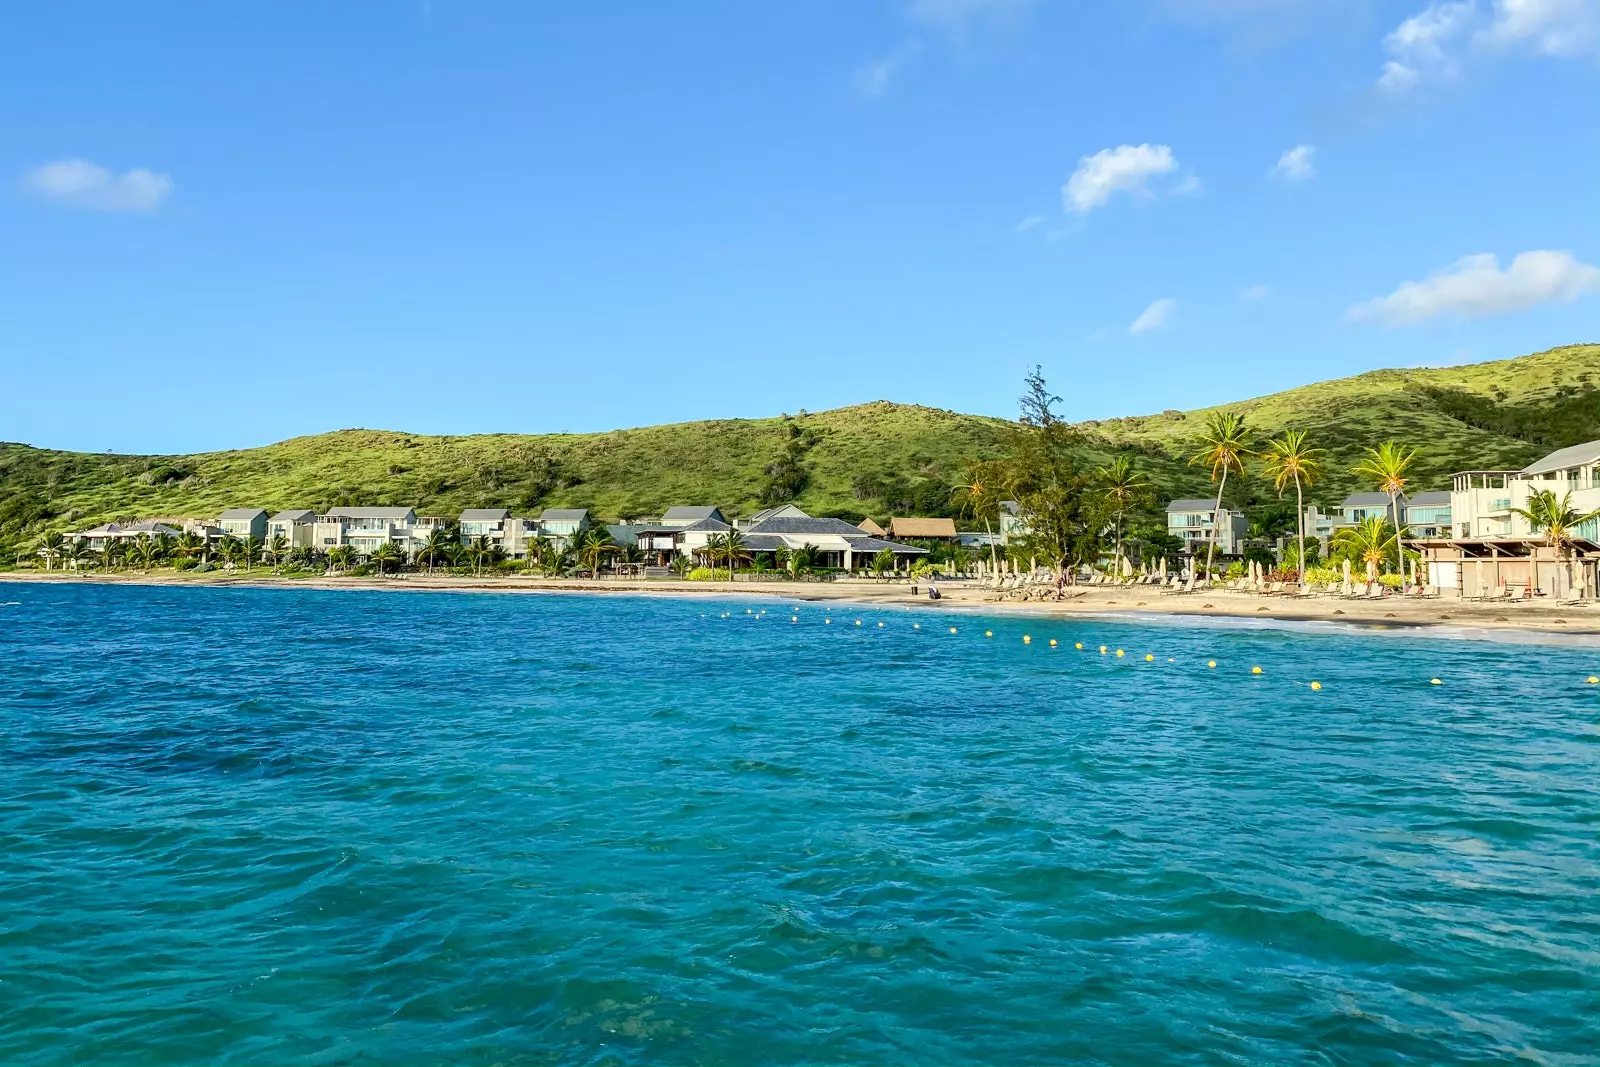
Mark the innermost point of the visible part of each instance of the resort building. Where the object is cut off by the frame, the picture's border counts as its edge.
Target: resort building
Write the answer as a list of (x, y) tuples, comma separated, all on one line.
[(1487, 549), (564, 525), (1012, 525), (677, 518), (298, 528), (1428, 515), (782, 511), (364, 529), (1359, 507), (836, 542), (871, 529), (913, 529), (244, 522), (1192, 522), (98, 537)]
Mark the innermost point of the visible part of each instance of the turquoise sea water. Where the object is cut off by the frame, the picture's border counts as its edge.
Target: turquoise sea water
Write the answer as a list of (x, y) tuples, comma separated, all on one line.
[(270, 826)]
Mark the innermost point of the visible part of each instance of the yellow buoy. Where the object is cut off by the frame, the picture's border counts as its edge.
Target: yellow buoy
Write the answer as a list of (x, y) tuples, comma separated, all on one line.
[(858, 622), (952, 629), (988, 633), (1079, 645), (747, 611), (1027, 640), (1593, 680), (1211, 663), (1052, 642), (1316, 685), (880, 626), (1102, 650), (1119, 653), (827, 622), (1255, 670), (1434, 681), (794, 618), (916, 626), (1148, 658)]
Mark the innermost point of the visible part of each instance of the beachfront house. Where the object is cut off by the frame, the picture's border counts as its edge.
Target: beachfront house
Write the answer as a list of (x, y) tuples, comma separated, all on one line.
[(1013, 527), (1193, 520), (297, 528), (684, 515), (1428, 515), (244, 522), (563, 526), (915, 529), (871, 529), (782, 511), (97, 538), (1487, 549), (364, 529), (838, 543), (1358, 507)]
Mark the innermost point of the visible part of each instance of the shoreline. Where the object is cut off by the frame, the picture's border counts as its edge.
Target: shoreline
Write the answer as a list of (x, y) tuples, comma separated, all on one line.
[(1419, 617)]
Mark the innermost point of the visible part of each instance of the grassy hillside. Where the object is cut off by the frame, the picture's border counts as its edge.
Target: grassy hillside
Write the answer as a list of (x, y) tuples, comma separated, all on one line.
[(876, 459)]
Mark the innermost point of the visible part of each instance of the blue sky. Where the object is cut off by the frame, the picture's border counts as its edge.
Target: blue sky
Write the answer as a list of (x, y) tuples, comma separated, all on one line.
[(223, 225)]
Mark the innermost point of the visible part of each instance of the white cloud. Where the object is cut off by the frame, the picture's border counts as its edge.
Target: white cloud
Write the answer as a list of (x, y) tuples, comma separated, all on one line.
[(1029, 223), (873, 79), (1475, 286), (1126, 168), (1190, 186), (1297, 164), (1154, 317), (84, 184), (1429, 45), (1553, 27), (1419, 44), (1256, 292)]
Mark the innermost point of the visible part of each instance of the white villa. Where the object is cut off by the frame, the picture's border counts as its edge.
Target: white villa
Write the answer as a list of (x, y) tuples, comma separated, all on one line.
[(1192, 522)]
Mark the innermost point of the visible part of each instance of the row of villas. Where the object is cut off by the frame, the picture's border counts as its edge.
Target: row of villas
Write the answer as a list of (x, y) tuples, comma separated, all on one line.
[(1471, 536), (680, 531)]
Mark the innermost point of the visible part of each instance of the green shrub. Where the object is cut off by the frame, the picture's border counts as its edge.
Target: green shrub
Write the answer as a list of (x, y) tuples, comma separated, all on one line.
[(700, 574), (1392, 581)]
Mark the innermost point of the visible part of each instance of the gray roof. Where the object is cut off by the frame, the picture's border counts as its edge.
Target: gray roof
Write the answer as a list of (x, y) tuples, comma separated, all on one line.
[(1562, 458), (1192, 504), (1429, 500), (708, 524), (1011, 507), (485, 515), (370, 513), (684, 514), (295, 516), (564, 515), (808, 525), (626, 533), (242, 513), (1368, 500), (763, 542), (766, 513), (877, 544)]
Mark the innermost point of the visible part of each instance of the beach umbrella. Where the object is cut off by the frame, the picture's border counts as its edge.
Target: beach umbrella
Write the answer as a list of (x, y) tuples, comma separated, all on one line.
[(1127, 568), (1346, 577), (1163, 566)]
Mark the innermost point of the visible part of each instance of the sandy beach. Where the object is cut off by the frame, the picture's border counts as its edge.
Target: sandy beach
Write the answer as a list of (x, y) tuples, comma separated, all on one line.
[(1394, 611)]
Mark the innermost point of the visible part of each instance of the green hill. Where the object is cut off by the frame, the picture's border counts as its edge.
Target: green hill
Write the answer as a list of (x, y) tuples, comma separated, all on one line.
[(871, 459)]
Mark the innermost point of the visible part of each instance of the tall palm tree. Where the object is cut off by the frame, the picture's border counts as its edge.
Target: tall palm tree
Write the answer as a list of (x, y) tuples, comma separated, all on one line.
[(883, 561), (341, 556), (1290, 459), (1125, 488), (249, 551), (1369, 540), (109, 553), (143, 552), (980, 500), (593, 548), (189, 545), (385, 554), (1387, 467), (1224, 448), (735, 550), (1558, 521), (73, 552), (480, 551), (802, 560), (434, 547), (228, 548), (50, 546), (276, 550)]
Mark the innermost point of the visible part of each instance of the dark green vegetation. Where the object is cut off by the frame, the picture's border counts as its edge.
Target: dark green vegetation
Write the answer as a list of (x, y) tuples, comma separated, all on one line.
[(873, 459)]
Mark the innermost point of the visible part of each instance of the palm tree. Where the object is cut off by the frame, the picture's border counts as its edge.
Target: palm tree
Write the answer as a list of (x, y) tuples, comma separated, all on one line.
[(883, 561), (189, 545), (249, 551), (1387, 466), (1125, 489), (386, 553), (735, 550), (436, 544), (340, 556), (480, 551), (50, 546), (682, 565), (1225, 446), (802, 560), (1290, 459), (74, 552), (277, 549), (109, 553), (1369, 540), (1558, 521), (144, 552), (228, 548), (593, 548), (979, 500)]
